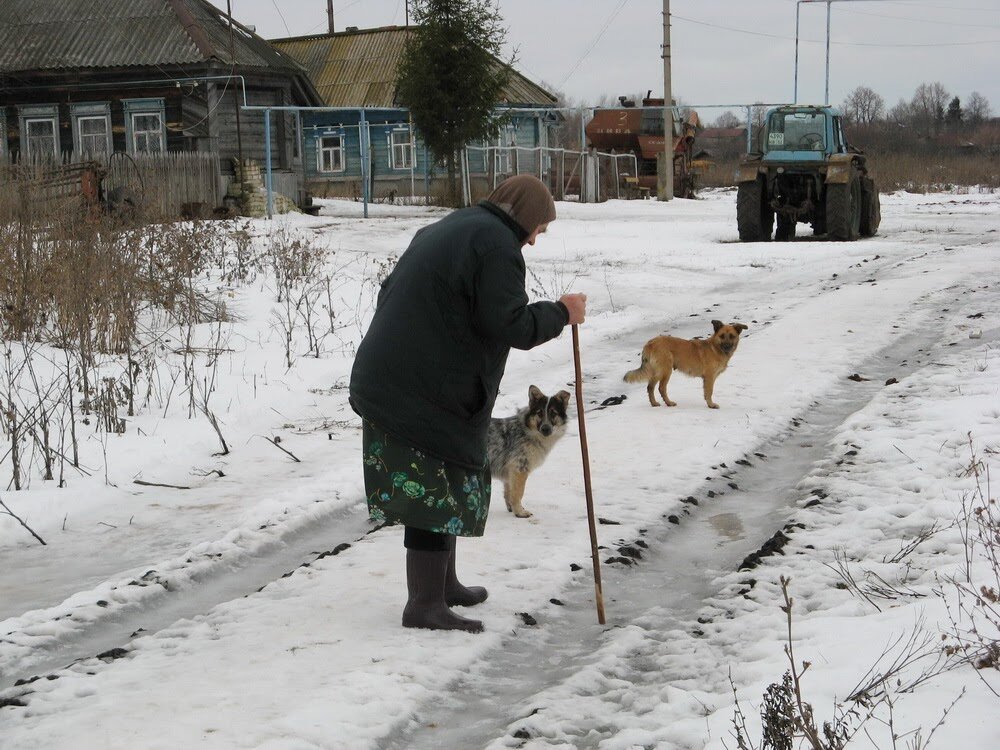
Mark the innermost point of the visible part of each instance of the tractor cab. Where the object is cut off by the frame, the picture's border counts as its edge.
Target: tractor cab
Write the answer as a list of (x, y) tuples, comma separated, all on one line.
[(803, 133)]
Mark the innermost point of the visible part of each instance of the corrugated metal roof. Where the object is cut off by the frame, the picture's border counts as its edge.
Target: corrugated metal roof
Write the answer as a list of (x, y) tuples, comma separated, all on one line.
[(57, 34), (358, 68)]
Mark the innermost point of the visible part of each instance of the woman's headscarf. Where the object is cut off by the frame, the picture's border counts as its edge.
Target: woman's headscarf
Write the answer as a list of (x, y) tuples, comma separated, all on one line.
[(526, 200)]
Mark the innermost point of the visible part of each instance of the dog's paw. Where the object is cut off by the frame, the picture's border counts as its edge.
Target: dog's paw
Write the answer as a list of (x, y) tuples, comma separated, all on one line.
[(522, 513), (713, 405), (671, 403)]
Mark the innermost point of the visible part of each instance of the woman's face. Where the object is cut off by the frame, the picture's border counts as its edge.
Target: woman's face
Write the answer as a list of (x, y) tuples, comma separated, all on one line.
[(534, 235)]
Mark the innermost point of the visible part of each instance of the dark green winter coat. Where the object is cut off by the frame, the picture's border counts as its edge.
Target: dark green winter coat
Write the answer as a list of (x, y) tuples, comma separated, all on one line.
[(429, 367)]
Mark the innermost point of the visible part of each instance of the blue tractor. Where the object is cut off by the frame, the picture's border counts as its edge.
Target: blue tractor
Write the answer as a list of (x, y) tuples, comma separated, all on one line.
[(805, 171)]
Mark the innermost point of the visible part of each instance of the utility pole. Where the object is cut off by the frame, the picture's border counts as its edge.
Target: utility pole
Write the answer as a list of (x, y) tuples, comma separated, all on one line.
[(668, 111), (236, 98), (329, 14)]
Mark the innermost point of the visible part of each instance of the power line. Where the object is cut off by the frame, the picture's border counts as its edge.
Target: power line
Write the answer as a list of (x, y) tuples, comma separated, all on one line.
[(287, 30), (818, 41), (923, 20), (943, 7), (607, 25), (918, 4)]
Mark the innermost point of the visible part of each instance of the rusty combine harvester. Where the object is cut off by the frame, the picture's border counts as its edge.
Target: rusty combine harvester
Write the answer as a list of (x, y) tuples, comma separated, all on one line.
[(639, 131)]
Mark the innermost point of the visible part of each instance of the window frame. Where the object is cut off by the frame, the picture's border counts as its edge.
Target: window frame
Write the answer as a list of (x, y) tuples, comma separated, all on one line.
[(144, 108), (817, 119), (341, 150), (39, 113), (407, 148), (91, 111), (839, 139)]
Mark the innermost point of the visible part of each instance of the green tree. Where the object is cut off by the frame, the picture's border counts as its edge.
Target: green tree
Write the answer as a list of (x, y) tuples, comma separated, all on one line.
[(955, 114), (451, 77)]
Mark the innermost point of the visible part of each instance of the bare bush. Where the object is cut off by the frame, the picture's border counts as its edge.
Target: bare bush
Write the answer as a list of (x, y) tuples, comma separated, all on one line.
[(788, 719), (974, 612), (86, 300), (307, 281)]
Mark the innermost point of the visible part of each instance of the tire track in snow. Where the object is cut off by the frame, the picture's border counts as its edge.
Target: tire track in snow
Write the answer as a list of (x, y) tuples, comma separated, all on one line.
[(666, 590)]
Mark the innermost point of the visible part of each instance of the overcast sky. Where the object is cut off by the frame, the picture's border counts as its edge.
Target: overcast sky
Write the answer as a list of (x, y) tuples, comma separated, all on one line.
[(724, 51)]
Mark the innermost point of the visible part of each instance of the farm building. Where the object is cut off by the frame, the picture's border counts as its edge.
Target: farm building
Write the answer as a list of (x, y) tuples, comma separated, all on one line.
[(82, 79), (355, 71)]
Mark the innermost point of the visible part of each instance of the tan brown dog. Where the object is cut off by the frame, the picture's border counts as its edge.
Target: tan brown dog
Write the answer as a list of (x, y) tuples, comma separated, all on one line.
[(699, 358)]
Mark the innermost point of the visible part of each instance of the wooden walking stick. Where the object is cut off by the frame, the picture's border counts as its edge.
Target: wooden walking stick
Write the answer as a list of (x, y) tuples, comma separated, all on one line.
[(598, 592)]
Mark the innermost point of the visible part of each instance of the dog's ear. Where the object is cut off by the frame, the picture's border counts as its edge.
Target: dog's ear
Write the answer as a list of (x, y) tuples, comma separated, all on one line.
[(564, 397), (716, 325), (739, 327), (534, 394)]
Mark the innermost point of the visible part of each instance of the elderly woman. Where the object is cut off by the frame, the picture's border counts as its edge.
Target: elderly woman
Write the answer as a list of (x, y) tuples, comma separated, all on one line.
[(426, 377)]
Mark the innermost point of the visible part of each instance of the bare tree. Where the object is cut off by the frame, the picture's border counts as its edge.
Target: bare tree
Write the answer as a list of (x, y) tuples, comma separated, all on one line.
[(977, 109), (863, 106), (902, 113), (567, 130), (727, 120), (928, 107)]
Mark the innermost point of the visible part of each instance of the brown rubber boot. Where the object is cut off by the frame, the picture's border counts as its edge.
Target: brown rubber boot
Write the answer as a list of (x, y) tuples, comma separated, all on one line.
[(455, 594), (426, 607)]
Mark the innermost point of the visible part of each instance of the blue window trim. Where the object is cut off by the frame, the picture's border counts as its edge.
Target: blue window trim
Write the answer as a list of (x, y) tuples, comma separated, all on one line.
[(328, 132), (37, 112), (90, 109), (392, 147), (143, 107)]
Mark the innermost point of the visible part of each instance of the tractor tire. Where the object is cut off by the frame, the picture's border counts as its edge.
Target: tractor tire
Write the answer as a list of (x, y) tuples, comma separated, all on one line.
[(871, 209), (754, 217), (785, 231), (843, 209)]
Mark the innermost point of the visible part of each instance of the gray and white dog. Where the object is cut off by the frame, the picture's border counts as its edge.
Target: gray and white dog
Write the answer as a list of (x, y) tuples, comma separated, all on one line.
[(519, 444)]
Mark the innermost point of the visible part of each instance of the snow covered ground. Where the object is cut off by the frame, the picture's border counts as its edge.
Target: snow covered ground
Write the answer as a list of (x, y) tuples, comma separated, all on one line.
[(256, 610)]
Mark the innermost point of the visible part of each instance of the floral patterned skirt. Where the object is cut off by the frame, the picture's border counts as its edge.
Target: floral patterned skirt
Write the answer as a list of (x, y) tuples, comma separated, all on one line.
[(405, 485)]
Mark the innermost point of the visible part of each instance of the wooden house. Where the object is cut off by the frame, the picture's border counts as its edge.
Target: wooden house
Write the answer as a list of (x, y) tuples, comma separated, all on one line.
[(80, 78), (355, 71)]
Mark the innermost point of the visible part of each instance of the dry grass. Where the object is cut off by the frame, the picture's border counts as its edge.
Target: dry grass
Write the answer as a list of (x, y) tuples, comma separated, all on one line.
[(914, 171)]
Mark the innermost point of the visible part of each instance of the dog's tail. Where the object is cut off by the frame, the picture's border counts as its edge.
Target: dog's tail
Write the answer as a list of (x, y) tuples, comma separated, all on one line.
[(642, 373)]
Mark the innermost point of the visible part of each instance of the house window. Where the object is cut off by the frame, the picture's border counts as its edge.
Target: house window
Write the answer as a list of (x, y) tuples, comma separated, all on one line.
[(40, 131), (93, 135), (40, 136), (147, 133), (145, 126), (330, 154), (401, 149), (92, 128)]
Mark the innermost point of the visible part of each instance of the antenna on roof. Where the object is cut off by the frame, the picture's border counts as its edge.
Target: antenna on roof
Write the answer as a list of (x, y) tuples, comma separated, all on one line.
[(329, 13)]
